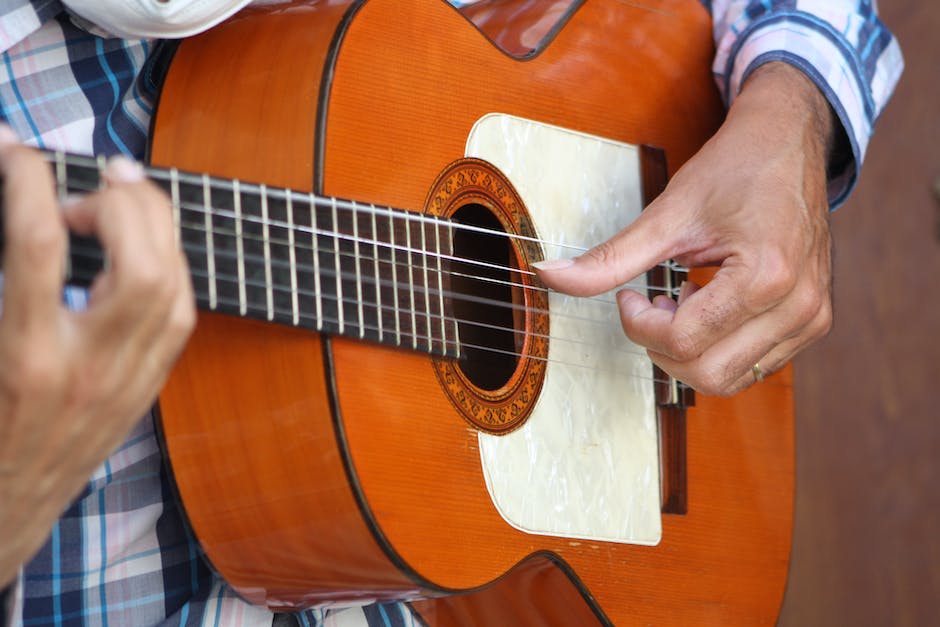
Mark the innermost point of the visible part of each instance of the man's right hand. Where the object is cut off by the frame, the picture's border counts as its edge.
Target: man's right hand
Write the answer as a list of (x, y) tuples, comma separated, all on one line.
[(72, 384)]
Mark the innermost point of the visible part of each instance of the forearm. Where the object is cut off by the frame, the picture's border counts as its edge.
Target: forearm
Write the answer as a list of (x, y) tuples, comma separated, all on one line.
[(786, 108), (72, 384)]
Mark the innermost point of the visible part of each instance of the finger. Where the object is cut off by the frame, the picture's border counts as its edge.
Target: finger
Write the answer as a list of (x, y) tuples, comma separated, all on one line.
[(770, 363), (722, 371), (35, 237), (686, 289), (665, 303), (182, 318), (161, 351), (141, 280), (770, 340), (705, 316), (153, 202), (651, 239)]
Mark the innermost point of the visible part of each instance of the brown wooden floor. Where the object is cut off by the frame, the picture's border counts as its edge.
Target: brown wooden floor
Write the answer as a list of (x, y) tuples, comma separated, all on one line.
[(867, 534)]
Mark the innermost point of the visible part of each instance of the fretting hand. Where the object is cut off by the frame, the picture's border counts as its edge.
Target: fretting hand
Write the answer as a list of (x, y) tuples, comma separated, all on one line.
[(72, 384)]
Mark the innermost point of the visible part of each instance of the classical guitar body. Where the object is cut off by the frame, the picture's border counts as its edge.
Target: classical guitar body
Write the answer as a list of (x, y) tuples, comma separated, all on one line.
[(319, 468)]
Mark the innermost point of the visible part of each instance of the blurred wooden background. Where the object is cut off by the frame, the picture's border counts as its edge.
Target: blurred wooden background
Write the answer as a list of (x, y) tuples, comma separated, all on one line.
[(867, 534)]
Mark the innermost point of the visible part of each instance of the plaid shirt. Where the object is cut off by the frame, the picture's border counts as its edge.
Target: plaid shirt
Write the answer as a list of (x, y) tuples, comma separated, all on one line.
[(121, 555)]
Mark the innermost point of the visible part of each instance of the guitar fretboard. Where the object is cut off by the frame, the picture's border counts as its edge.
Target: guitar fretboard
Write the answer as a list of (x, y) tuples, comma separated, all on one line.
[(293, 258)]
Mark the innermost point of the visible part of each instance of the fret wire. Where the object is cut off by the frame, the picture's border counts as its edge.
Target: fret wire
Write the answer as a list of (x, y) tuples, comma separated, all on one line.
[(440, 278), (61, 176), (239, 248), (101, 163), (268, 292), (316, 262), (358, 266), (394, 251), (210, 245), (411, 287), (292, 255), (375, 268), (424, 273), (175, 204), (341, 313), (62, 185), (450, 251)]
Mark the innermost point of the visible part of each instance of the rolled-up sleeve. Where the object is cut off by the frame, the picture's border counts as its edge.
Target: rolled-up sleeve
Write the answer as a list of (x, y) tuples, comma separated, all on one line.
[(841, 45)]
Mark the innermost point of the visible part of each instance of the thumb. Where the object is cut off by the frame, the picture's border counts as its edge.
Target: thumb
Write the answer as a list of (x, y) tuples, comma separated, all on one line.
[(631, 252)]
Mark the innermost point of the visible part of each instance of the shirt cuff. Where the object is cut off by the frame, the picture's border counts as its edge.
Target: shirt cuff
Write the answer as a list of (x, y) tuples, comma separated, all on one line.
[(826, 56)]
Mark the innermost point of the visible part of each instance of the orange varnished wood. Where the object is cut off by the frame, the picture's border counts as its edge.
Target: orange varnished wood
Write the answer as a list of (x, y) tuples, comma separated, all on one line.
[(410, 80), (246, 412), (255, 457), (725, 562)]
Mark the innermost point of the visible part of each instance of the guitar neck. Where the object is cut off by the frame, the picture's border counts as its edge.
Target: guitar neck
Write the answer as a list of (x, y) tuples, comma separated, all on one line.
[(294, 258)]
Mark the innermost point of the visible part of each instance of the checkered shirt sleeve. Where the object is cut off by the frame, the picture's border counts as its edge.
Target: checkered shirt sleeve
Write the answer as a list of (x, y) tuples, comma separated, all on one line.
[(840, 44)]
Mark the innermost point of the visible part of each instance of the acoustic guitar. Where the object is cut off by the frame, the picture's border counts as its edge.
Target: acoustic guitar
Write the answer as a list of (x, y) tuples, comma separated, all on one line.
[(380, 401)]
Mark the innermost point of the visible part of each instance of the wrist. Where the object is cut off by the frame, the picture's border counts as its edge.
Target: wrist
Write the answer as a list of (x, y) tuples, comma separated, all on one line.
[(790, 106)]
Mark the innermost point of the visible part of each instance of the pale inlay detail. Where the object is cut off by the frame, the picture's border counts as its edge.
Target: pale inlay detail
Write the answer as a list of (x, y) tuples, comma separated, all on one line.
[(586, 464)]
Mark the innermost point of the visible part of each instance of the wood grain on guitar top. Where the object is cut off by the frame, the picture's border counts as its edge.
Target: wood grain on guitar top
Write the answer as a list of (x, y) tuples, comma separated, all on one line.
[(317, 469)]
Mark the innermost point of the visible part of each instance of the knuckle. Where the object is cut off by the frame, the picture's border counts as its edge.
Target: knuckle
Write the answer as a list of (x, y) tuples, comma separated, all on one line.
[(40, 242), (20, 159), (719, 379), (710, 382), (822, 324), (807, 305), (35, 372), (681, 345), (812, 314), (183, 320), (151, 281), (777, 276), (115, 199), (604, 254)]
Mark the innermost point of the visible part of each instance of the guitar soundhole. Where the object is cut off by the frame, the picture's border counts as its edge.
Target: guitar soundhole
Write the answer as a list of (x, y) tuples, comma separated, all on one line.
[(483, 302), (502, 316)]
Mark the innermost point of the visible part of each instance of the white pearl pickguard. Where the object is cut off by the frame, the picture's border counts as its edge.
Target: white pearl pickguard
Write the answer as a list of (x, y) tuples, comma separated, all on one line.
[(586, 463)]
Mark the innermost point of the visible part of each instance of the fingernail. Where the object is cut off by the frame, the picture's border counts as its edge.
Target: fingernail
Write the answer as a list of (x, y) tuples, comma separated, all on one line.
[(7, 136), (665, 303), (73, 199), (683, 288), (123, 170), (553, 264), (631, 303)]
